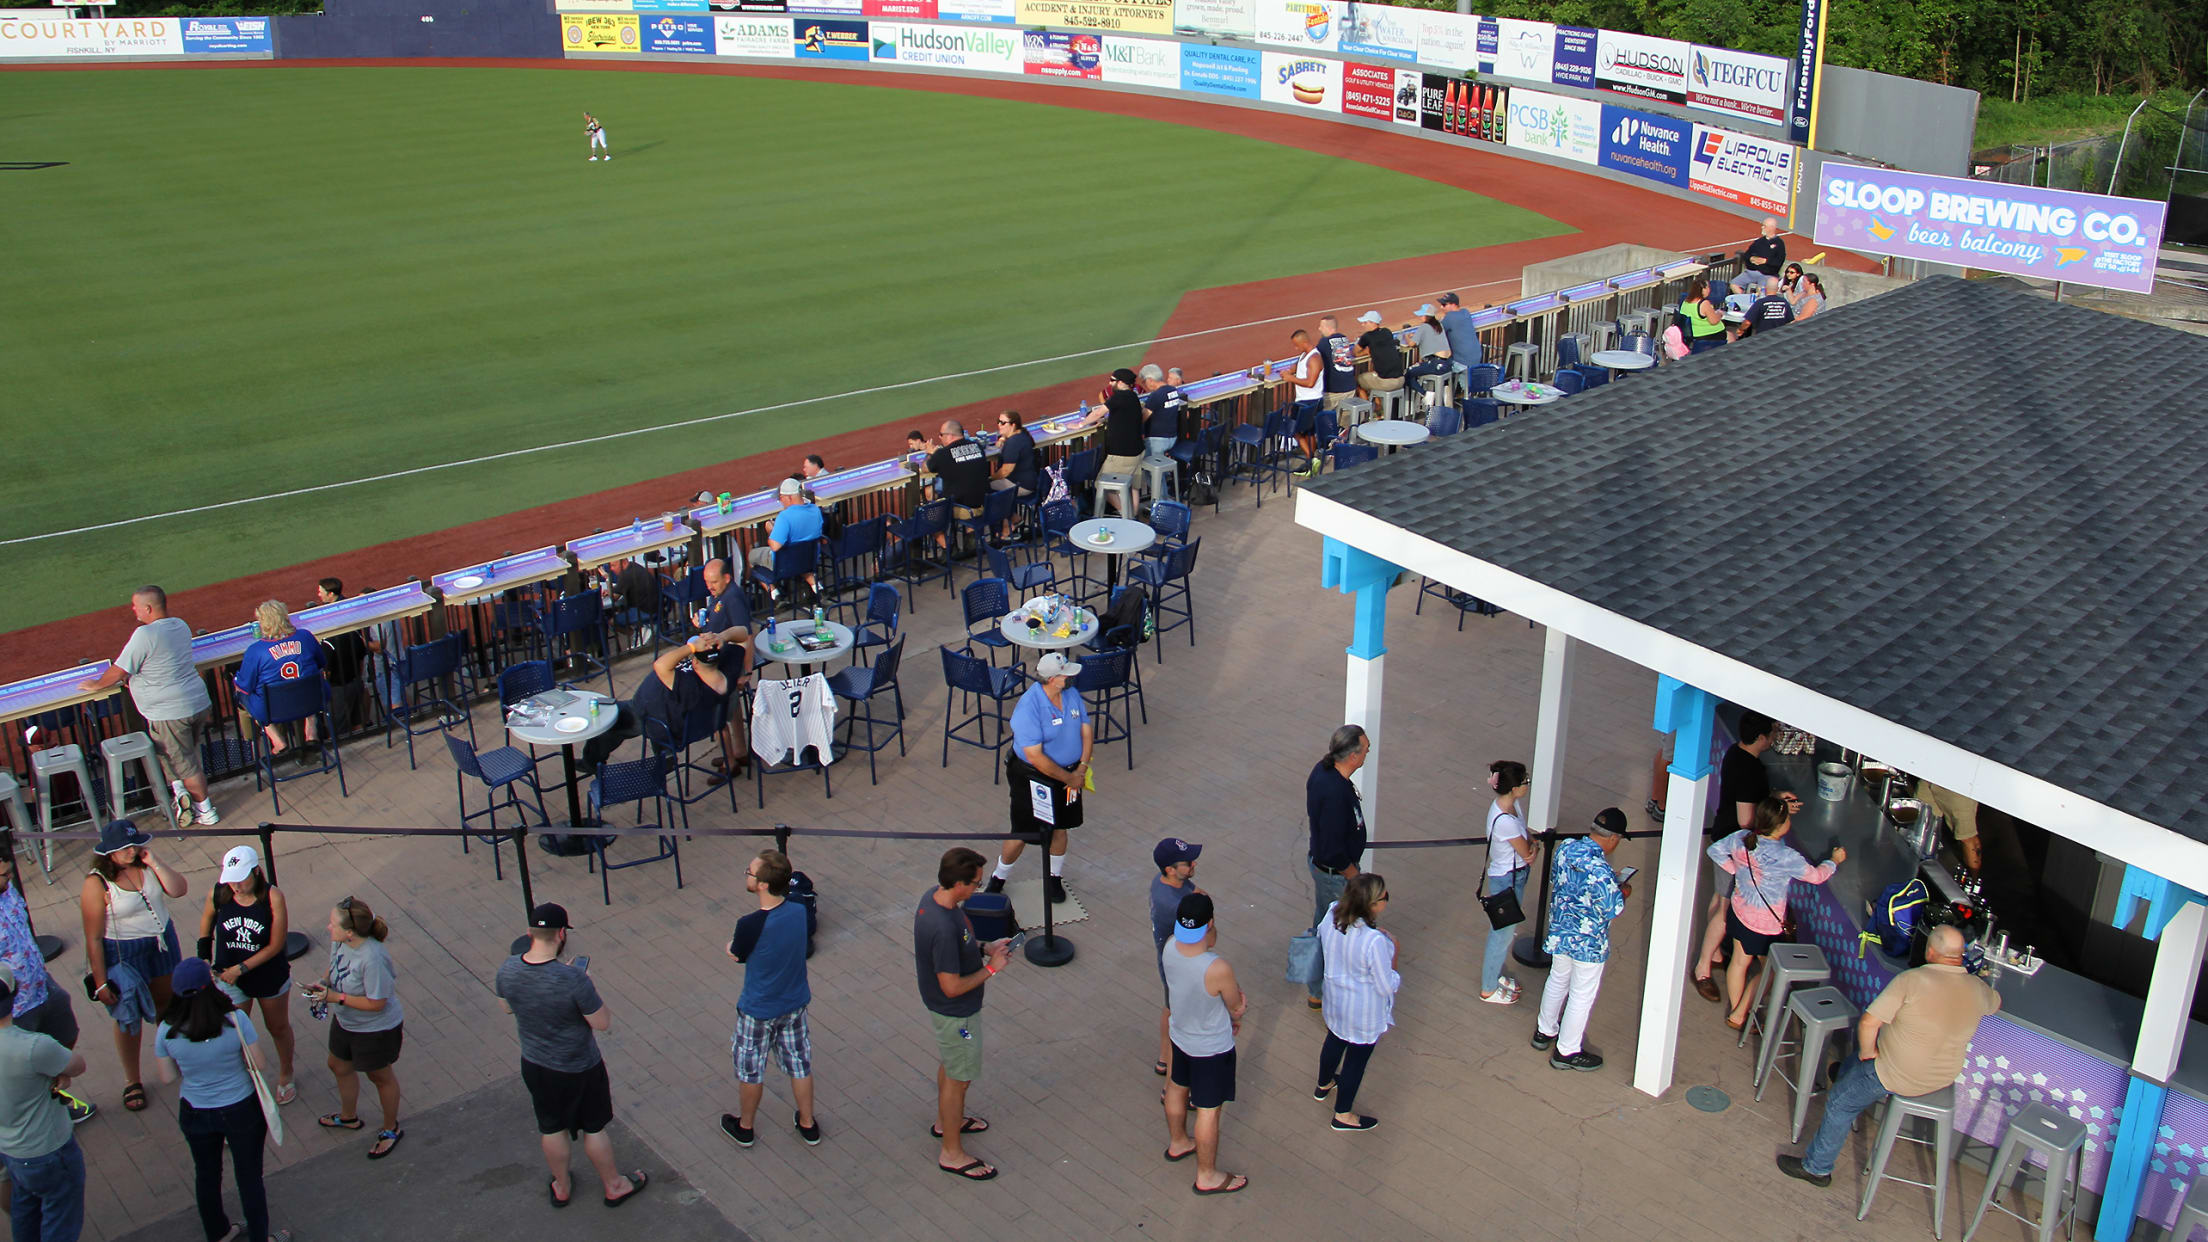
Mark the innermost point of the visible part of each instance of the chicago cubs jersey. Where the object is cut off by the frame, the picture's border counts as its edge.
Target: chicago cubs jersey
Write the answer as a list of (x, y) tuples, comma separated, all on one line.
[(787, 716)]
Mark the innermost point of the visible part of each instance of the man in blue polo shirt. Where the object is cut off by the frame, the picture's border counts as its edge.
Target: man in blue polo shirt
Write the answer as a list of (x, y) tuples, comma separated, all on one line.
[(770, 1015), (1052, 740), (798, 523)]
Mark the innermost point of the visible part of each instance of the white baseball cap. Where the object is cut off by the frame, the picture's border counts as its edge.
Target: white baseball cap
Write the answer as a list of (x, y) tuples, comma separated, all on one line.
[(1055, 664), (240, 862), (1369, 317)]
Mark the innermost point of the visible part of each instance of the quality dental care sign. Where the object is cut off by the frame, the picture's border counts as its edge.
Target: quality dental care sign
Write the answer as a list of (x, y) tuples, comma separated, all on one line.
[(2084, 239)]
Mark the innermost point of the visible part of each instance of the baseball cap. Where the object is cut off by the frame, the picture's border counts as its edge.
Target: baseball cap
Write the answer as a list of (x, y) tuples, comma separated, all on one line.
[(118, 835), (1124, 376), (1192, 919), (1610, 822), (1174, 850), (790, 487), (191, 975), (239, 863), (1369, 317), (549, 917), (1449, 299), (1426, 309), (1055, 664)]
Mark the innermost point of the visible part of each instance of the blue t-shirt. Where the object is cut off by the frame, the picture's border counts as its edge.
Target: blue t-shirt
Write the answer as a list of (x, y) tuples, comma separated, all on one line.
[(271, 660), (1464, 339), (1057, 728), (798, 524), (1165, 404), (213, 1069), (1018, 451), (771, 945)]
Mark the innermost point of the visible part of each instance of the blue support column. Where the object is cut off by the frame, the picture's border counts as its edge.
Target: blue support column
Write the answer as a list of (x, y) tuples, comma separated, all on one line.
[(2127, 1160), (1367, 578), (2178, 924)]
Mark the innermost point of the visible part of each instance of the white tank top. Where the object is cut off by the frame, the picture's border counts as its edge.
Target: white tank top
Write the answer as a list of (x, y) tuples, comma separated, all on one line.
[(1316, 390), (136, 914)]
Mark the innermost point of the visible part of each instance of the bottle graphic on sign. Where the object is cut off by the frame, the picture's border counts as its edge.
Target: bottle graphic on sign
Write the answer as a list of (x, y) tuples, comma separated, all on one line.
[(1449, 109), (1484, 125), (1502, 114)]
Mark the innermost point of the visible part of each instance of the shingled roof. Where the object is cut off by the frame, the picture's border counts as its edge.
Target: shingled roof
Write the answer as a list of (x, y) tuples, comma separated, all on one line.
[(1963, 509)]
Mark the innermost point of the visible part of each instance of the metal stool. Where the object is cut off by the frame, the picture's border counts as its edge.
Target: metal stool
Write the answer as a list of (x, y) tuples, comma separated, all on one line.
[(1937, 1108), (1161, 475), (120, 753), (1640, 321), (1604, 334), (1788, 966), (2060, 1141), (2194, 1213), (1519, 359), (56, 761), (1124, 484), (1395, 403), (1824, 1013), (1352, 412), (11, 798), (1440, 389)]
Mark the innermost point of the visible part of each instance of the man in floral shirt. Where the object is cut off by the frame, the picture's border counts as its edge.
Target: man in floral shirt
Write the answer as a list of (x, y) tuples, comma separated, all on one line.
[(1584, 895)]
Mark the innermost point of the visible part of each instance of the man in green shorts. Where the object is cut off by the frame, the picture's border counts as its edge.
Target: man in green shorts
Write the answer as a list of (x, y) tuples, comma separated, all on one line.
[(952, 967)]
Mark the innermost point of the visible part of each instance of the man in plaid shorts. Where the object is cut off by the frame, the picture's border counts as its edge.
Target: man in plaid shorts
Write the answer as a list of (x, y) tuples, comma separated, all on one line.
[(770, 1014)]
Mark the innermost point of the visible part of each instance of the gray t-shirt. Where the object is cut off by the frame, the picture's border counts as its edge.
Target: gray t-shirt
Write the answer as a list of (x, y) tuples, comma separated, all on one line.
[(943, 943), (163, 681), (365, 971), (213, 1070), (1165, 907), (1430, 340), (32, 1122), (549, 1000)]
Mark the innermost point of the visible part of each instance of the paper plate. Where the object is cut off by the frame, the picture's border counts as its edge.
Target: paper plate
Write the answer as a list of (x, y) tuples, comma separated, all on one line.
[(572, 724), (468, 582)]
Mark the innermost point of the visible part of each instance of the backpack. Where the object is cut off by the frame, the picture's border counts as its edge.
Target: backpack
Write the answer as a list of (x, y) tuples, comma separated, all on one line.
[(1129, 608), (571, 844), (1057, 490), (1894, 916), (803, 893)]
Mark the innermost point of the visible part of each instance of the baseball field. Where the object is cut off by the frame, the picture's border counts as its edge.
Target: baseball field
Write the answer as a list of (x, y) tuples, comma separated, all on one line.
[(234, 284)]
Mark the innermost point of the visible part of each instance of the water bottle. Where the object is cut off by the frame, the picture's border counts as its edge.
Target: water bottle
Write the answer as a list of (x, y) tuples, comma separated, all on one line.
[(636, 528), (1084, 407)]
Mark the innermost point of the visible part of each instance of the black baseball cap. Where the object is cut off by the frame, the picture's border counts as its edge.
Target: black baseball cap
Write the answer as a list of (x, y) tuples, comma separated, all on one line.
[(549, 917), (1124, 376), (1174, 850), (1610, 822)]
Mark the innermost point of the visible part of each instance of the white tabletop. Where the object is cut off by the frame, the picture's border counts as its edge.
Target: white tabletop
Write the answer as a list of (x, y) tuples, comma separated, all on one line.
[(544, 728), (1621, 359), (795, 654), (1126, 536), (1393, 432), (1013, 625), (1518, 392)]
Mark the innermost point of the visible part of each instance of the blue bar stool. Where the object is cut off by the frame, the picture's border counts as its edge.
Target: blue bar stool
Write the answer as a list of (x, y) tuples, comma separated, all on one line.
[(2060, 1141), (1937, 1108)]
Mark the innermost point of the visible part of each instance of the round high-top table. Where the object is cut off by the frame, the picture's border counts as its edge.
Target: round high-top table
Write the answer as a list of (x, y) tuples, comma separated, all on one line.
[(1127, 538), (796, 655), (1621, 359), (1519, 392), (1013, 625), (1392, 433), (566, 726)]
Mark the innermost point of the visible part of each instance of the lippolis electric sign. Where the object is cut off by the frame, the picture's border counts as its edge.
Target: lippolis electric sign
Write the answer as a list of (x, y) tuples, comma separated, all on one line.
[(2085, 239)]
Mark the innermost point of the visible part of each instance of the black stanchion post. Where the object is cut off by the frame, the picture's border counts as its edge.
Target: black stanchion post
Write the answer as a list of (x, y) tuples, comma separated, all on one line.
[(1052, 949), (296, 944), (1526, 950), (782, 839), (528, 894)]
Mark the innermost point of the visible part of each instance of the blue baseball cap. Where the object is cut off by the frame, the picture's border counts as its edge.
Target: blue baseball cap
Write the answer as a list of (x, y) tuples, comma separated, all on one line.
[(1174, 850)]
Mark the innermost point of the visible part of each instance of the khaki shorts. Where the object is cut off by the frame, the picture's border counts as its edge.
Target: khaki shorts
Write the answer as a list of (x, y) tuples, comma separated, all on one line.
[(1373, 383), (958, 1044), (178, 742), (1961, 813), (1333, 400), (1130, 465)]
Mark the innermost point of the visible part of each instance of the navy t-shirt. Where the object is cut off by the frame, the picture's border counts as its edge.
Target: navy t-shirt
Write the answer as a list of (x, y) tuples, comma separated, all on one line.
[(771, 945), (1165, 405), (1770, 312), (1018, 451), (963, 465), (1337, 817), (656, 700), (1339, 354), (727, 611)]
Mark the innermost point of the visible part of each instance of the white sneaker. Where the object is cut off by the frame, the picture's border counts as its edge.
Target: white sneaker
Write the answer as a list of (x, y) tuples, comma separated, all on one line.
[(1500, 996), (208, 817)]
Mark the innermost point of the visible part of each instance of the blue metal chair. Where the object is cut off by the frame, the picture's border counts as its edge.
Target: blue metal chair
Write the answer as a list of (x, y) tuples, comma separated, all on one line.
[(1128, 637), (912, 542), (1326, 431), (793, 563), (673, 739), (1105, 685), (1210, 448), (1025, 580), (427, 675), (1459, 600), (1171, 520), (1167, 580), (1567, 351), (639, 783), (291, 702), (985, 603), (684, 596), (861, 686), (1263, 456), (1346, 454), (1482, 378), (524, 680), (1594, 376), (1448, 420), (995, 514), (1570, 382), (1482, 411), (1080, 471), (848, 554), (968, 674), (762, 767), (1059, 518), (580, 619), (517, 625), (1640, 343), (500, 769), (879, 628)]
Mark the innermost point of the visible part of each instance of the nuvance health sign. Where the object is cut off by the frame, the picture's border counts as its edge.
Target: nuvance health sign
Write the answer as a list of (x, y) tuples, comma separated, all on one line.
[(2080, 239)]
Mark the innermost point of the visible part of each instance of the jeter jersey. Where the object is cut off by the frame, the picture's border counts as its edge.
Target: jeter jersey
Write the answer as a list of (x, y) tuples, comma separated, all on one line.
[(787, 716)]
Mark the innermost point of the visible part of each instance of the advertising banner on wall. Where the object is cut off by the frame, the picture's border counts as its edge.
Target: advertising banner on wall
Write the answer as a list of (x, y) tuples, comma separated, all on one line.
[(686, 35), (1220, 70), (1645, 145), (1742, 169), (600, 32), (1055, 54), (1222, 17), (226, 35), (1142, 62), (1448, 40), (763, 36), (1120, 16), (1309, 24), (978, 50), (829, 8), (1000, 12), (1741, 83), (1524, 50), (1466, 109), (122, 36), (1809, 64), (909, 10), (1368, 91), (2086, 239), (1305, 81), (1380, 31), (1575, 57), (751, 6), (1487, 40), (820, 38), (1632, 64), (1409, 85), (1554, 125)]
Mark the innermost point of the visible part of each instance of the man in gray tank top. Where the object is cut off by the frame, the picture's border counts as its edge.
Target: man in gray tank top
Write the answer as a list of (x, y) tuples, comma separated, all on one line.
[(1207, 1006)]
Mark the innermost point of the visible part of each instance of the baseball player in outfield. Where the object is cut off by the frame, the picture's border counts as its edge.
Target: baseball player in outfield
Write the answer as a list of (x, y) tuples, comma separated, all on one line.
[(597, 134)]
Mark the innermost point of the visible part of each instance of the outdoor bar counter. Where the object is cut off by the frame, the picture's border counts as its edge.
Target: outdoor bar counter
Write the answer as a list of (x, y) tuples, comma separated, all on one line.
[(2059, 1039)]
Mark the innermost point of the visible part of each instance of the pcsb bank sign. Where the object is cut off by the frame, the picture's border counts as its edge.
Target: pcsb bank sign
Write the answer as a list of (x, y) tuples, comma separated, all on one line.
[(1555, 125)]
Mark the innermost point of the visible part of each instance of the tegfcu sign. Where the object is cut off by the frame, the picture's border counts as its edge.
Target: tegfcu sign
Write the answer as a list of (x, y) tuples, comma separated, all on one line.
[(2085, 239)]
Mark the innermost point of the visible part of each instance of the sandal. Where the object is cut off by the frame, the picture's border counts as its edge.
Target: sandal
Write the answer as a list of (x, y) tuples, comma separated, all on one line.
[(338, 1121), (387, 1141), (286, 1092), (552, 1191), (1234, 1182), (637, 1182), (972, 1125), (1170, 1157), (1160, 1068), (966, 1170), (134, 1097)]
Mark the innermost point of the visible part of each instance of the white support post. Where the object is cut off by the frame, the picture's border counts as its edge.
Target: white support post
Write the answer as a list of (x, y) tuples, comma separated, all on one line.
[(1559, 651), (1361, 706), (2177, 956), (1671, 923)]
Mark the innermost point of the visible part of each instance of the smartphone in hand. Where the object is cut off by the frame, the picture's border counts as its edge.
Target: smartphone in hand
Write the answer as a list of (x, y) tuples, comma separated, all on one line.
[(1013, 945), (581, 962)]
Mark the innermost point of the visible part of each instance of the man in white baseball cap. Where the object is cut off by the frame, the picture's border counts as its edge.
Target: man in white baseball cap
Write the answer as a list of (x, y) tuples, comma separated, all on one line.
[(1052, 741)]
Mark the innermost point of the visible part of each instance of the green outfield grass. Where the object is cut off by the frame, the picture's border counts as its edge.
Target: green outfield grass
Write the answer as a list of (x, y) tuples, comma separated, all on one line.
[(249, 280)]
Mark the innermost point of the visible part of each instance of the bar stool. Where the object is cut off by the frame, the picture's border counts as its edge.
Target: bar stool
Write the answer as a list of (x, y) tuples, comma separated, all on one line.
[(1124, 484), (1937, 1108), (1159, 476), (58, 761), (1642, 322), (1392, 403), (1519, 359), (1440, 389), (2060, 1141), (11, 800), (2194, 1213), (1352, 412), (1788, 965), (1604, 335), (120, 753), (1824, 1013)]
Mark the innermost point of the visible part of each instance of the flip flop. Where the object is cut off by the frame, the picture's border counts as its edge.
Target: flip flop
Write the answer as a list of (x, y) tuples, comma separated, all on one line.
[(552, 1191), (637, 1182), (287, 1092), (972, 1125), (134, 1097), (382, 1137), (338, 1121), (1160, 1068), (1234, 1182), (966, 1170), (1177, 1159)]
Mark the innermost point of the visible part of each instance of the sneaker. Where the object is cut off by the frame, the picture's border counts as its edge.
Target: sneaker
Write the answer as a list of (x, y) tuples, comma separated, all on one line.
[(208, 817), (180, 801), (1322, 1091), (80, 1110), (1054, 888), (1793, 1167), (1541, 1042), (1582, 1060), (810, 1133), (995, 884), (1500, 996), (735, 1130), (1362, 1123)]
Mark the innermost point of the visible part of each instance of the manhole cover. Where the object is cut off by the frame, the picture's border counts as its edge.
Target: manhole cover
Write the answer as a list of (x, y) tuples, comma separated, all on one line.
[(1709, 1099)]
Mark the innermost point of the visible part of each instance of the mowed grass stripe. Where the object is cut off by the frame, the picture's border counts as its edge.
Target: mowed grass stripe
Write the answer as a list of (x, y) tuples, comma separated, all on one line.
[(250, 280)]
